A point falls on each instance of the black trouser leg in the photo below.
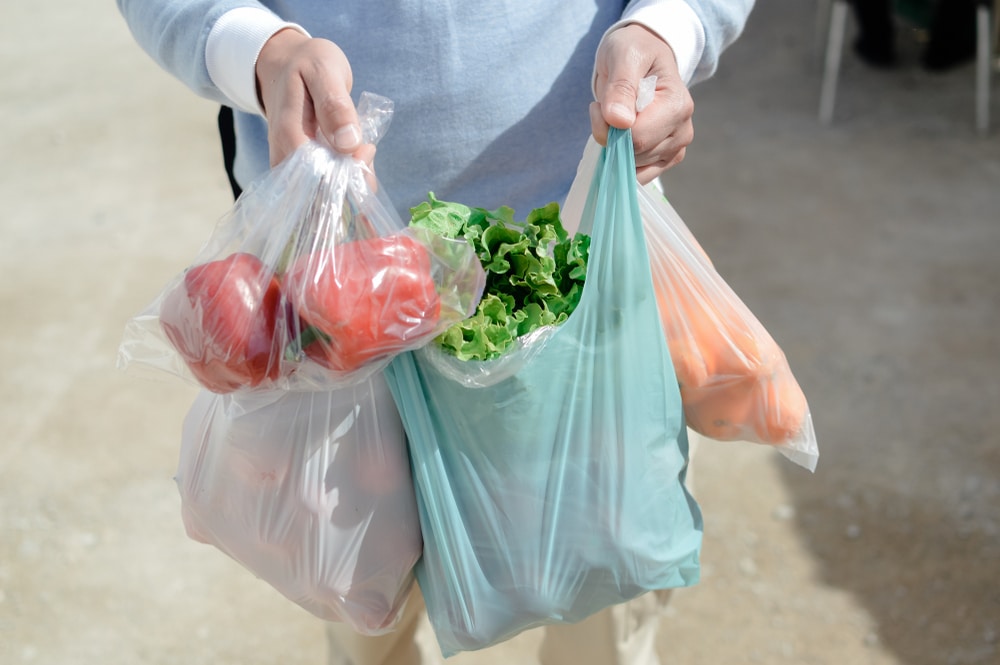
(952, 35)
(227, 133)
(876, 42)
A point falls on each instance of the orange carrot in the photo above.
(734, 380)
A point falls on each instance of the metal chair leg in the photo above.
(822, 28)
(984, 50)
(831, 68)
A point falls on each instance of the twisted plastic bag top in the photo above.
(310, 282)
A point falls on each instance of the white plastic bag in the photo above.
(311, 492)
(736, 383)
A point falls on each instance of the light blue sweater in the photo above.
(490, 98)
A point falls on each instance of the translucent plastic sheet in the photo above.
(555, 487)
(309, 491)
(735, 381)
(312, 281)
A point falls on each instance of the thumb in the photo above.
(338, 121)
(617, 95)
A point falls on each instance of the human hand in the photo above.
(662, 132)
(304, 85)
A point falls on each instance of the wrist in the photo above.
(675, 23)
(272, 55)
(232, 50)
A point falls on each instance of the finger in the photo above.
(338, 121)
(366, 154)
(668, 154)
(329, 84)
(664, 128)
(647, 152)
(618, 99)
(598, 127)
(618, 87)
(648, 173)
(289, 125)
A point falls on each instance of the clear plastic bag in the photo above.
(311, 492)
(554, 487)
(735, 381)
(312, 281)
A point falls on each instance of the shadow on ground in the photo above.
(870, 250)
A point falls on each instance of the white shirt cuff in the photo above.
(676, 24)
(231, 53)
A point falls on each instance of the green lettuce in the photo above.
(534, 272)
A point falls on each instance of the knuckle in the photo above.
(688, 105)
(624, 87)
(687, 136)
(640, 144)
(678, 158)
(677, 101)
(333, 105)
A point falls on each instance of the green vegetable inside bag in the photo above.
(534, 273)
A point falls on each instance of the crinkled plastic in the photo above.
(311, 282)
(556, 487)
(735, 381)
(311, 492)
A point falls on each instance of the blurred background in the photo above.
(870, 248)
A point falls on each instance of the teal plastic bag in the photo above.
(554, 487)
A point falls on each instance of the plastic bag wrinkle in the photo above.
(735, 380)
(310, 491)
(535, 485)
(339, 283)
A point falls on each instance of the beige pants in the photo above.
(624, 634)
(620, 635)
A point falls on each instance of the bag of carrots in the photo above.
(735, 381)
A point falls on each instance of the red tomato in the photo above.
(368, 298)
(222, 320)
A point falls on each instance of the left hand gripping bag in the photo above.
(310, 492)
(557, 489)
(311, 281)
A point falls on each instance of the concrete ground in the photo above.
(871, 250)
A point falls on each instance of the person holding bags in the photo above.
(494, 103)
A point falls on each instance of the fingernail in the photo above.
(347, 138)
(622, 111)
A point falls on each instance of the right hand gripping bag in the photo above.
(556, 489)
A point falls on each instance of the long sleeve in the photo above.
(450, 134)
(723, 21)
(697, 30)
(175, 34)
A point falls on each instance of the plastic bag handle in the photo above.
(375, 114)
(572, 207)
